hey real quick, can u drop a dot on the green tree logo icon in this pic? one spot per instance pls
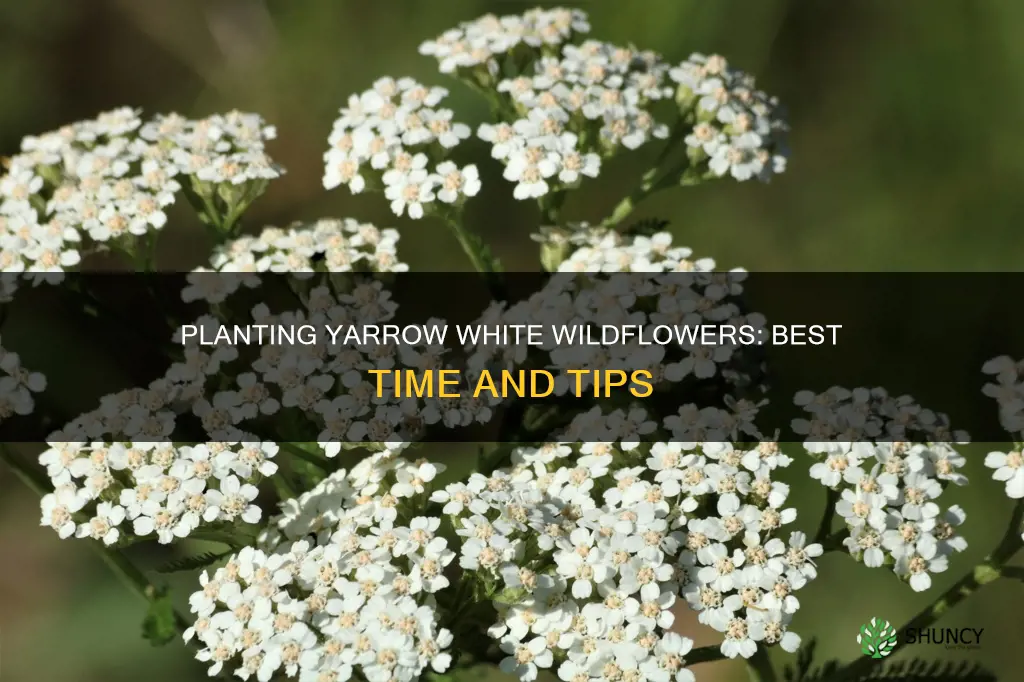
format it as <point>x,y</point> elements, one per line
<point>877,639</point>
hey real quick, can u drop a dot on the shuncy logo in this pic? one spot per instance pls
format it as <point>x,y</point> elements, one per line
<point>877,638</point>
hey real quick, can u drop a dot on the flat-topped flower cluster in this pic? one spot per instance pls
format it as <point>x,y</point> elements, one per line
<point>100,183</point>
<point>338,586</point>
<point>585,550</point>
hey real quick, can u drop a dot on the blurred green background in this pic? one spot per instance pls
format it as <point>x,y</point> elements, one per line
<point>907,154</point>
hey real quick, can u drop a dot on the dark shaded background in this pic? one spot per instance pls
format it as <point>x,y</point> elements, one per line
<point>906,155</point>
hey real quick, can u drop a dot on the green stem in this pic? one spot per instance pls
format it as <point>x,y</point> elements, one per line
<point>988,571</point>
<point>129,574</point>
<point>143,252</point>
<point>759,666</point>
<point>212,214</point>
<point>674,136</point>
<point>305,455</point>
<point>834,542</point>
<point>154,238</point>
<point>648,186</point>
<point>704,654</point>
<point>469,246</point>
<point>551,207</point>
<point>285,490</point>
<point>478,254</point>
<point>461,605</point>
<point>626,206</point>
<point>231,225</point>
<point>825,527</point>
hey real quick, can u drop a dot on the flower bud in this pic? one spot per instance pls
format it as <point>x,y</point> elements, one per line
<point>555,247</point>
<point>685,98</point>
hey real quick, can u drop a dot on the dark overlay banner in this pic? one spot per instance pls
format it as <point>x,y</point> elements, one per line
<point>528,357</point>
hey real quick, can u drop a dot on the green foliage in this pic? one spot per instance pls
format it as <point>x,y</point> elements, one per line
<point>801,670</point>
<point>919,670</point>
<point>159,626</point>
<point>915,670</point>
<point>192,563</point>
<point>486,255</point>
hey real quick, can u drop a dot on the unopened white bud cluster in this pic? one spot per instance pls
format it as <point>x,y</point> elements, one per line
<point>736,421</point>
<point>228,149</point>
<point>889,486</point>
<point>17,384</point>
<point>334,245</point>
<point>585,548</point>
<point>863,414</point>
<point>105,181</point>
<point>355,601</point>
<point>161,489</point>
<point>739,130</point>
<point>1008,392</point>
<point>599,249</point>
<point>479,48</point>
<point>394,134</point>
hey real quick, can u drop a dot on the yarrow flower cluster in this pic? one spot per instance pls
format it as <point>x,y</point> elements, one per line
<point>17,384</point>
<point>562,108</point>
<point>335,245</point>
<point>575,110</point>
<point>339,588</point>
<point>863,414</point>
<point>736,420</point>
<point>480,47</point>
<point>585,248</point>
<point>163,490</point>
<point>739,130</point>
<point>888,487</point>
<point>585,549</point>
<point>690,295</point>
<point>326,384</point>
<point>104,182</point>
<point>393,134</point>
<point>221,150</point>
<point>1008,392</point>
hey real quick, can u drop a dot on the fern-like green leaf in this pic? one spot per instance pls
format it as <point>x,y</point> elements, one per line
<point>920,670</point>
<point>916,670</point>
<point>158,626</point>
<point>801,669</point>
<point>191,563</point>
